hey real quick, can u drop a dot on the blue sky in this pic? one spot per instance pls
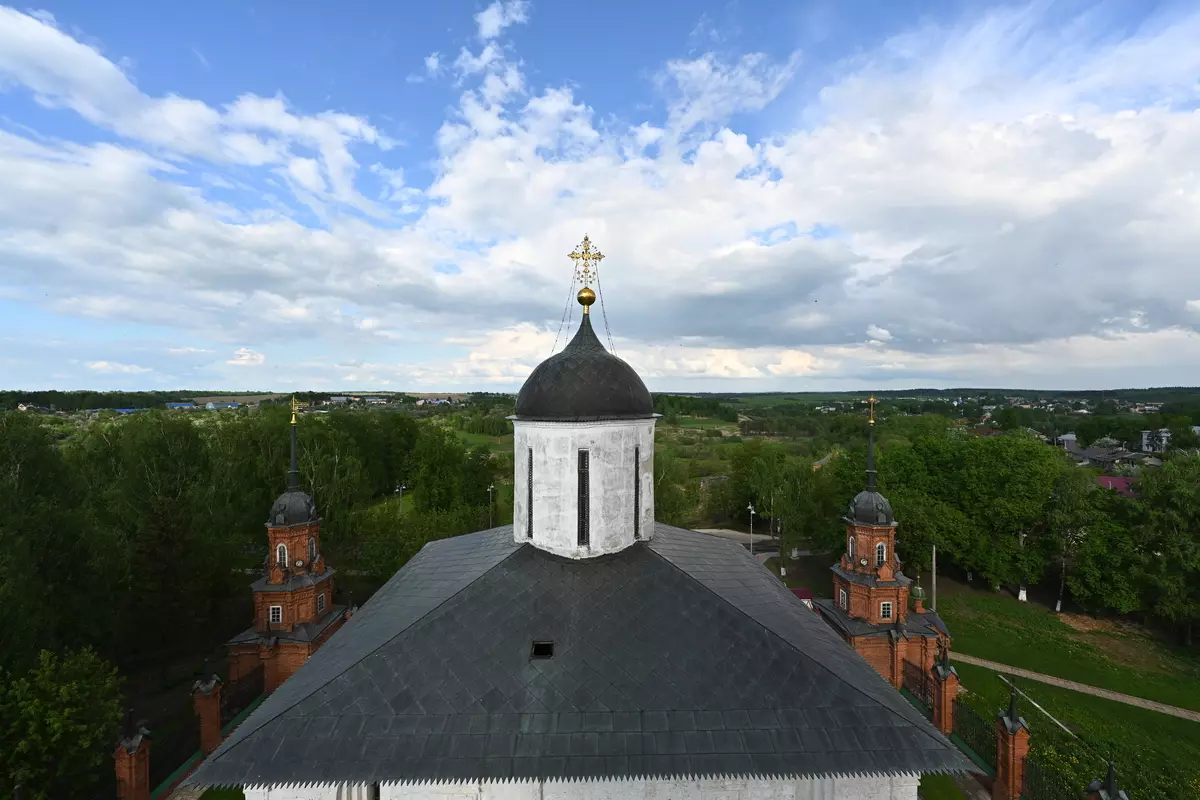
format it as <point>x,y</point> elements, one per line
<point>791,195</point>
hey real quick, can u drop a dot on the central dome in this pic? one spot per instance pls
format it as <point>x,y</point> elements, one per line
<point>584,382</point>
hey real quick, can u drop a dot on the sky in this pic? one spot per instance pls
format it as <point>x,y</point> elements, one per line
<point>810,195</point>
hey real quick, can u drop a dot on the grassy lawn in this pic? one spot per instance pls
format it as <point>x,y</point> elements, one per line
<point>1156,755</point>
<point>1112,655</point>
<point>939,787</point>
<point>705,422</point>
<point>493,443</point>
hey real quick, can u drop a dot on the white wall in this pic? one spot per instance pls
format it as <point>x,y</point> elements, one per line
<point>899,788</point>
<point>556,447</point>
<point>302,792</point>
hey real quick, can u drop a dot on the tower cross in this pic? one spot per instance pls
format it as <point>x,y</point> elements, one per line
<point>586,261</point>
<point>295,407</point>
<point>871,401</point>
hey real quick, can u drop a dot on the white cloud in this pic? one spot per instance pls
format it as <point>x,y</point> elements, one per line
<point>706,90</point>
<point>499,15</point>
<point>116,366</point>
<point>181,351</point>
<point>996,201</point>
<point>63,72</point>
<point>245,357</point>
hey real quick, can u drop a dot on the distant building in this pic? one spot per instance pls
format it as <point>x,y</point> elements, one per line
<point>181,405</point>
<point>336,400</point>
<point>1122,486</point>
<point>375,401</point>
<point>213,405</point>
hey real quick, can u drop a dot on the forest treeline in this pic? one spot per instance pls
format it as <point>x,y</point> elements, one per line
<point>134,527</point>
<point>128,541</point>
<point>1009,508</point>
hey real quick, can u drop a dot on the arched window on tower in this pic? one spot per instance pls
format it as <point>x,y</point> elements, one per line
<point>880,554</point>
<point>281,555</point>
<point>850,548</point>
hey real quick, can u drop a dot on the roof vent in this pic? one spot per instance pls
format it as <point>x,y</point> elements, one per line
<point>542,650</point>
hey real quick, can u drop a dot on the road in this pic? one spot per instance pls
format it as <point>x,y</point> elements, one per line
<point>1095,691</point>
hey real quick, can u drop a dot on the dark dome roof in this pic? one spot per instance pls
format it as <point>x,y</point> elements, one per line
<point>871,508</point>
<point>293,508</point>
<point>584,382</point>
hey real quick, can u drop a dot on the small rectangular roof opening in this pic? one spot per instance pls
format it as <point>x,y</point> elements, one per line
<point>542,650</point>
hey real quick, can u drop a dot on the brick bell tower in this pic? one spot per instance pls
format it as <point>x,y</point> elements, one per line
<point>293,601</point>
<point>870,600</point>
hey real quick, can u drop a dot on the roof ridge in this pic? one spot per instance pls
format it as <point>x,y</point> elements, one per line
<point>781,638</point>
<point>246,731</point>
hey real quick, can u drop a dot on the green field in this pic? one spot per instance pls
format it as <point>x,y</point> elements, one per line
<point>494,443</point>
<point>1112,655</point>
<point>1157,755</point>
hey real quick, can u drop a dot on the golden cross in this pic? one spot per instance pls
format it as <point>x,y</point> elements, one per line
<point>295,406</point>
<point>586,261</point>
<point>871,401</point>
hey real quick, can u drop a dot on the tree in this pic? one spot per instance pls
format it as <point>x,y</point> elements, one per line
<point>1170,504</point>
<point>1072,516</point>
<point>58,723</point>
<point>1183,437</point>
<point>1004,487</point>
<point>672,503</point>
<point>1109,567</point>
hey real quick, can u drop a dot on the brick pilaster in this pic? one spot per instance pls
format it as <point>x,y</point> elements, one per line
<point>896,653</point>
<point>945,689</point>
<point>132,762</point>
<point>1012,744</point>
<point>206,700</point>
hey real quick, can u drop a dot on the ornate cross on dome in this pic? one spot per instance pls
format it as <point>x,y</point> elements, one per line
<point>295,407</point>
<point>586,261</point>
<point>871,401</point>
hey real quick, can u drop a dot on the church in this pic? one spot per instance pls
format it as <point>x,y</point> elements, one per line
<point>871,593</point>
<point>584,651</point>
<point>294,612</point>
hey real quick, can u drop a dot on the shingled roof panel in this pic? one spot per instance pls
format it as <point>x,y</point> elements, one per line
<point>764,685</point>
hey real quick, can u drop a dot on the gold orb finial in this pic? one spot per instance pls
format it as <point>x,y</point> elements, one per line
<point>586,297</point>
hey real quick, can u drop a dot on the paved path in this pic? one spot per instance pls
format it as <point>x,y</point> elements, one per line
<point>1127,699</point>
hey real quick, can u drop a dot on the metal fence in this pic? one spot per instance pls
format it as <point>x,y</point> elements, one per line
<point>238,695</point>
<point>977,732</point>
<point>919,684</point>
<point>1040,783</point>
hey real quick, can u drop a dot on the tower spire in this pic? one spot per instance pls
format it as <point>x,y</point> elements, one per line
<point>293,478</point>
<point>871,445</point>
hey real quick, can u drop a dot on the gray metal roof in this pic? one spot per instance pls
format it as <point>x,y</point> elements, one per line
<point>867,579</point>
<point>584,382</point>
<point>677,656</point>
<point>300,632</point>
<point>927,624</point>
<point>293,582</point>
